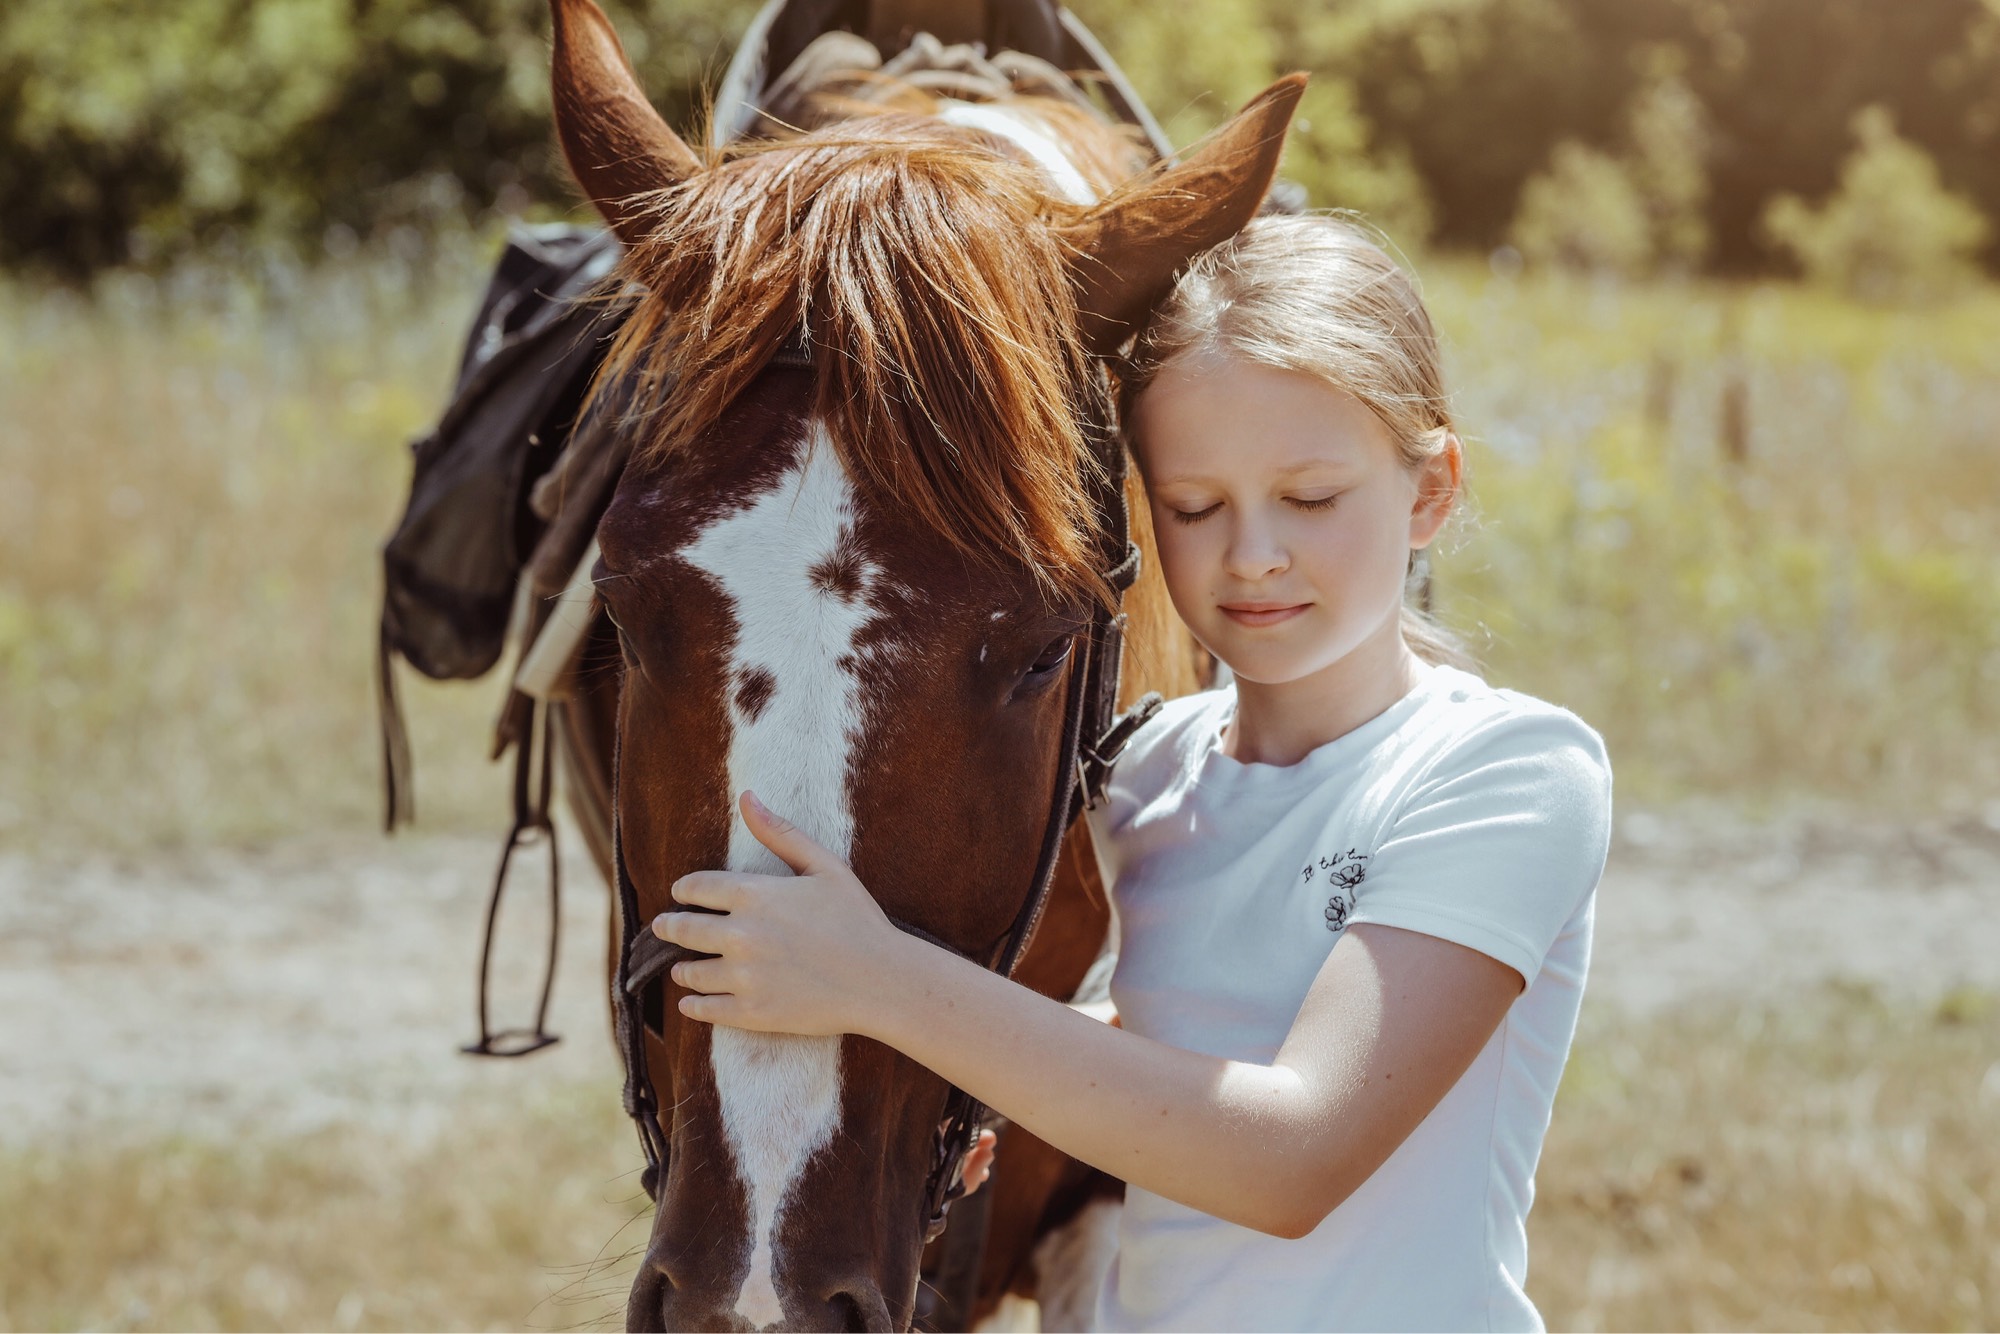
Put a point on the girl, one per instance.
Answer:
(1354, 888)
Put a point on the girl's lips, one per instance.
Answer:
(1259, 616)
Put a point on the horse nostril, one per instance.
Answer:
(851, 1312)
(645, 1307)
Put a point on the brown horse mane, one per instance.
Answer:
(941, 318)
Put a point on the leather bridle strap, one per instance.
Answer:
(629, 1020)
(964, 1114)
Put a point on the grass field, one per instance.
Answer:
(521, 1219)
(1831, 1165)
(194, 479)
(1751, 533)
(1797, 596)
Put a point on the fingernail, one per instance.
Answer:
(660, 926)
(755, 804)
(675, 974)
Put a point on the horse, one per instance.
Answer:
(862, 558)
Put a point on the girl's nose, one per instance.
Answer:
(1254, 553)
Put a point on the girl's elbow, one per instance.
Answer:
(1288, 1224)
(1295, 1213)
(1290, 1227)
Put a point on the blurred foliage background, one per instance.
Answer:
(1731, 136)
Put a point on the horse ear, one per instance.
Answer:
(1124, 253)
(618, 146)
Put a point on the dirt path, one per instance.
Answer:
(312, 983)
(330, 980)
(1711, 907)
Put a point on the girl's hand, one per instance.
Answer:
(979, 1161)
(799, 953)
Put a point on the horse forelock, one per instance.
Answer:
(920, 258)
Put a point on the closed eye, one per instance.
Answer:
(1196, 516)
(1315, 503)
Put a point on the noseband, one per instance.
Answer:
(1092, 735)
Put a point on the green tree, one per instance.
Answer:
(1637, 214)
(1332, 156)
(1479, 92)
(1668, 139)
(1194, 65)
(1584, 213)
(1892, 231)
(142, 131)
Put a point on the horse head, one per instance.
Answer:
(858, 541)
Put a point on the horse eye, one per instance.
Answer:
(1054, 656)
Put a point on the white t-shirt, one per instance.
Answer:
(1476, 815)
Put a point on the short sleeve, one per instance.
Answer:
(1500, 842)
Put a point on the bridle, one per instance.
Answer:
(1093, 733)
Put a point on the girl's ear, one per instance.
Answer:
(1438, 481)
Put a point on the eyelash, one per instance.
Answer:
(1196, 516)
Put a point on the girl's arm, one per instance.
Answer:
(1391, 1022)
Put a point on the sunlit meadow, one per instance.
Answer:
(195, 475)
(1752, 533)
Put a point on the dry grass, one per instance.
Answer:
(1752, 534)
(194, 479)
(1829, 1166)
(523, 1218)
(1832, 1166)
(194, 476)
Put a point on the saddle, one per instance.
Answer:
(451, 570)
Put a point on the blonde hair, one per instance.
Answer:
(1315, 293)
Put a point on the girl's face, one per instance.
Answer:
(1284, 513)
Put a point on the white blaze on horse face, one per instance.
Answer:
(1033, 138)
(798, 584)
